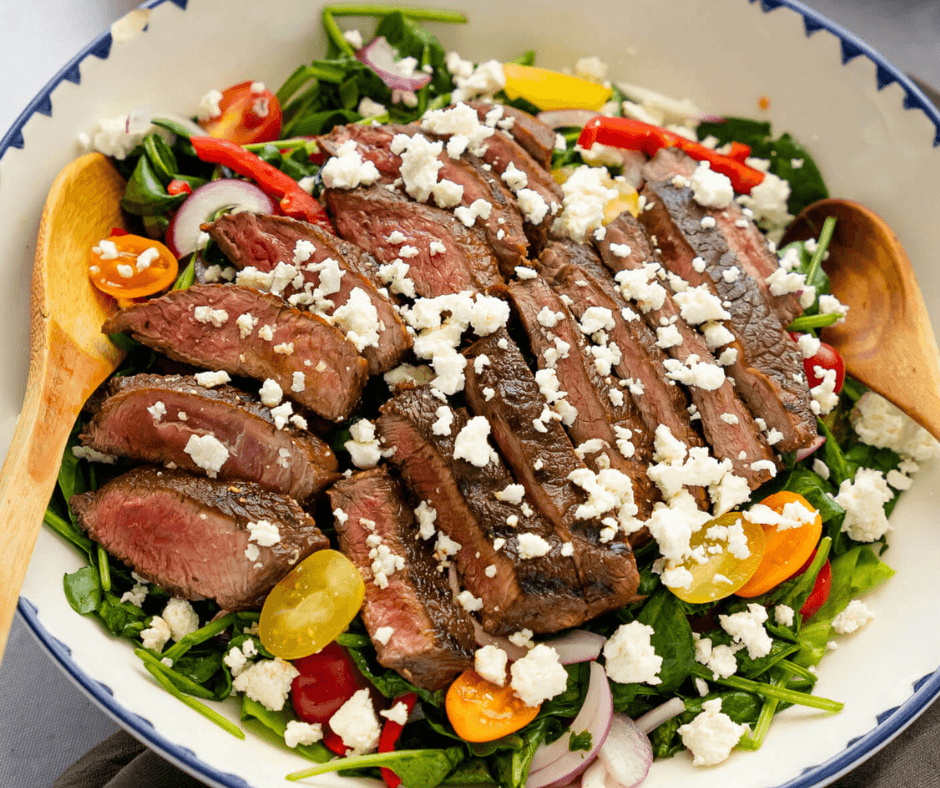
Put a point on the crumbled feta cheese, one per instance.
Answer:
(783, 615)
(490, 663)
(747, 627)
(299, 733)
(630, 656)
(211, 379)
(484, 80)
(208, 452)
(532, 546)
(364, 449)
(586, 193)
(180, 617)
(538, 676)
(383, 635)
(357, 724)
(358, 319)
(369, 108)
(879, 423)
(347, 170)
(712, 735)
(854, 617)
(699, 305)
(469, 602)
(471, 443)
(156, 635)
(268, 682)
(864, 499)
(209, 105)
(709, 188)
(264, 532)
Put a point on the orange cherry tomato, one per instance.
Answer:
(787, 550)
(247, 115)
(722, 573)
(480, 711)
(131, 266)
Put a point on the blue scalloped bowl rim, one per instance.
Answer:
(891, 722)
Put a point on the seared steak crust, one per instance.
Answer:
(368, 217)
(542, 458)
(502, 227)
(728, 425)
(543, 594)
(180, 324)
(189, 535)
(768, 371)
(131, 423)
(262, 241)
(432, 637)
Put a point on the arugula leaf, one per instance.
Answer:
(415, 768)
(671, 638)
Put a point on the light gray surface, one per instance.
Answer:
(45, 722)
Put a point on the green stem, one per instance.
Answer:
(755, 738)
(335, 34)
(194, 704)
(183, 683)
(439, 102)
(187, 277)
(770, 691)
(289, 144)
(806, 322)
(67, 531)
(104, 568)
(210, 630)
(825, 236)
(383, 118)
(420, 14)
(797, 670)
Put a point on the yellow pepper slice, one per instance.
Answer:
(552, 89)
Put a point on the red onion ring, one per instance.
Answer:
(578, 645)
(554, 764)
(140, 121)
(657, 716)
(379, 55)
(802, 454)
(627, 753)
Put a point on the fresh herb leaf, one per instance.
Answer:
(580, 741)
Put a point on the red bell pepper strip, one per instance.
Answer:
(178, 187)
(334, 743)
(390, 734)
(645, 137)
(739, 152)
(294, 201)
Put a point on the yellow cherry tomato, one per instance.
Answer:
(552, 89)
(311, 605)
(721, 573)
(131, 266)
(481, 711)
(787, 549)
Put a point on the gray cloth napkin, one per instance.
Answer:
(912, 761)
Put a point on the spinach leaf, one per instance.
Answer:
(415, 768)
(145, 194)
(390, 683)
(671, 638)
(580, 741)
(471, 772)
(83, 590)
(270, 725)
(511, 768)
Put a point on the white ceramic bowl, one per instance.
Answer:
(872, 132)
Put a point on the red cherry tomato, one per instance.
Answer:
(820, 593)
(826, 357)
(247, 116)
(327, 680)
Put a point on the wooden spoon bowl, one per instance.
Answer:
(69, 357)
(886, 341)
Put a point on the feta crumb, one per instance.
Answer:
(471, 443)
(783, 615)
(263, 532)
(210, 379)
(532, 546)
(347, 170)
(156, 635)
(630, 656)
(490, 662)
(747, 627)
(207, 452)
(854, 617)
(469, 602)
(864, 499)
(357, 724)
(538, 676)
(268, 682)
(180, 617)
(712, 735)
(398, 713)
(709, 188)
(299, 733)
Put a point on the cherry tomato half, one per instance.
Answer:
(721, 573)
(820, 593)
(826, 357)
(311, 605)
(327, 680)
(247, 115)
(481, 711)
(787, 549)
(131, 266)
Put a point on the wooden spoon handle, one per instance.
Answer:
(52, 403)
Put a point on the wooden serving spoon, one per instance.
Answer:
(886, 341)
(69, 357)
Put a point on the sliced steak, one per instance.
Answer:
(542, 593)
(597, 408)
(206, 325)
(537, 138)
(768, 368)
(152, 418)
(742, 236)
(728, 425)
(368, 217)
(501, 388)
(193, 536)
(575, 271)
(428, 637)
(502, 226)
(330, 268)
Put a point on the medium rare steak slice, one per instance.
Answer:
(743, 237)
(199, 538)
(331, 269)
(537, 138)
(416, 625)
(728, 425)
(768, 368)
(576, 272)
(257, 335)
(543, 593)
(153, 418)
(597, 408)
(502, 225)
(448, 258)
(501, 388)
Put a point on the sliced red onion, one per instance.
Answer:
(596, 776)
(554, 764)
(626, 753)
(182, 236)
(802, 454)
(578, 645)
(140, 121)
(566, 118)
(656, 717)
(379, 55)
